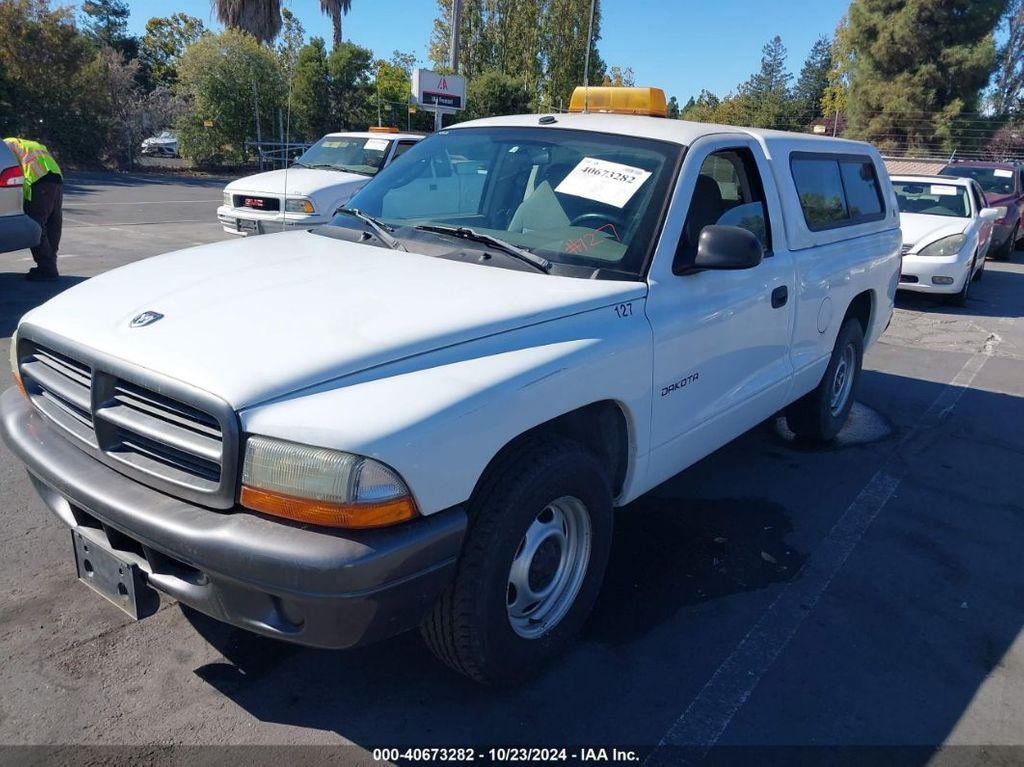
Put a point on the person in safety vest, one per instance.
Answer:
(44, 203)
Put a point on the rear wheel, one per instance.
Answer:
(820, 415)
(531, 566)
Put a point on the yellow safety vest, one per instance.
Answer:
(36, 161)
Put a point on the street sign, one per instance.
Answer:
(444, 93)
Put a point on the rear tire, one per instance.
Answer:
(531, 566)
(820, 415)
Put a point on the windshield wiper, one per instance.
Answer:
(382, 230)
(508, 248)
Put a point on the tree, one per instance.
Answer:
(918, 66)
(702, 108)
(293, 37)
(814, 79)
(393, 86)
(835, 95)
(767, 90)
(234, 82)
(1008, 142)
(106, 22)
(1008, 89)
(352, 91)
(260, 18)
(165, 41)
(494, 93)
(672, 109)
(335, 9)
(565, 48)
(110, 81)
(311, 91)
(619, 77)
(46, 102)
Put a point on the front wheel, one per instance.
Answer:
(1004, 252)
(820, 415)
(531, 565)
(960, 297)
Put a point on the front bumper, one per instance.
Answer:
(245, 222)
(297, 583)
(916, 273)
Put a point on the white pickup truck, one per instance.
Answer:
(425, 413)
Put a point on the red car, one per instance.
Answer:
(1003, 185)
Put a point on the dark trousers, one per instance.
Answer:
(46, 208)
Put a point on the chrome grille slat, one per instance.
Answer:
(159, 431)
(153, 428)
(50, 380)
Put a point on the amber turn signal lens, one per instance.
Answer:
(350, 515)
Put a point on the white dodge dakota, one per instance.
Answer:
(424, 413)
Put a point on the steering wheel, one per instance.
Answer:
(599, 220)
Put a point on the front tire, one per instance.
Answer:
(1004, 252)
(960, 298)
(820, 415)
(531, 565)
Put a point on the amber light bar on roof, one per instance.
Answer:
(620, 101)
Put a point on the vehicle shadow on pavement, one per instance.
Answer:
(18, 296)
(85, 183)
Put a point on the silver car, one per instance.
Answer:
(17, 230)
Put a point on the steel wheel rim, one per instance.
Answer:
(842, 381)
(549, 567)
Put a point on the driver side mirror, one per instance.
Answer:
(727, 247)
(992, 214)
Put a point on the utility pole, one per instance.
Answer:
(453, 54)
(586, 61)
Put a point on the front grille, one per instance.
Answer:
(157, 432)
(256, 202)
(905, 250)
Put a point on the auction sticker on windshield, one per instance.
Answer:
(603, 181)
(944, 191)
(1003, 173)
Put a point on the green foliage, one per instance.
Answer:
(165, 41)
(918, 66)
(493, 93)
(351, 87)
(765, 96)
(259, 18)
(565, 47)
(311, 92)
(672, 109)
(814, 79)
(1008, 89)
(47, 103)
(293, 36)
(232, 80)
(106, 22)
(619, 77)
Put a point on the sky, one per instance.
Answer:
(680, 46)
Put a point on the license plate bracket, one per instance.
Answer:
(114, 578)
(245, 225)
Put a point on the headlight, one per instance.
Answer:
(322, 486)
(299, 205)
(947, 246)
(15, 372)
(227, 200)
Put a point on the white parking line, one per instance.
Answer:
(709, 714)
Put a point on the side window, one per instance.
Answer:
(837, 190)
(402, 148)
(728, 192)
(979, 198)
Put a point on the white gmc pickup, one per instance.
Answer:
(425, 412)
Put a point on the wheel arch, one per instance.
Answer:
(862, 308)
(603, 427)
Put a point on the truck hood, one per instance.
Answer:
(302, 182)
(257, 319)
(920, 229)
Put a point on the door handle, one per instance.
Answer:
(779, 296)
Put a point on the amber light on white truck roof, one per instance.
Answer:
(322, 486)
(620, 101)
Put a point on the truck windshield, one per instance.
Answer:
(349, 153)
(992, 180)
(932, 199)
(581, 200)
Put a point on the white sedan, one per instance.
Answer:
(947, 231)
(307, 194)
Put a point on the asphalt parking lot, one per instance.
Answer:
(866, 594)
